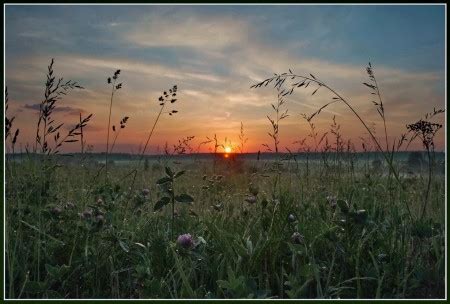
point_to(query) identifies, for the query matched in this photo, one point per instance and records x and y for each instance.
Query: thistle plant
(167, 184)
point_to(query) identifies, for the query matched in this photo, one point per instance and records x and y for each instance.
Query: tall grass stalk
(305, 81)
(114, 87)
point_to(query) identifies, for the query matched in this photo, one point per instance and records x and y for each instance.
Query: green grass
(248, 252)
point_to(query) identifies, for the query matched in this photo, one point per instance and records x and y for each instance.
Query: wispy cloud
(178, 30)
(60, 109)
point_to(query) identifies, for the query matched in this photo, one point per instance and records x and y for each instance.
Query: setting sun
(227, 149)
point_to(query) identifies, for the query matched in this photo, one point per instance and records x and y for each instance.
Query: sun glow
(227, 149)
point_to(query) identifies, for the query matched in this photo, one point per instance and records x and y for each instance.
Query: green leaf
(56, 272)
(141, 245)
(51, 270)
(169, 172)
(35, 287)
(164, 180)
(184, 198)
(124, 246)
(361, 214)
(179, 173)
(223, 284)
(161, 203)
(51, 294)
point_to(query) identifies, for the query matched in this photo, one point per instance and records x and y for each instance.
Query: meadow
(325, 221)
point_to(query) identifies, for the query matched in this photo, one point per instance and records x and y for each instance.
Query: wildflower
(86, 214)
(100, 218)
(145, 192)
(70, 205)
(291, 218)
(251, 199)
(297, 238)
(185, 241)
(332, 201)
(56, 211)
(382, 257)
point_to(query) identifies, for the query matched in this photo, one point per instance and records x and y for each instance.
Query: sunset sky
(214, 54)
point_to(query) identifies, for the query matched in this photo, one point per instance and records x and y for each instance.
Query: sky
(214, 54)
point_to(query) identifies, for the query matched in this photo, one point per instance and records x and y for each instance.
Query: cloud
(59, 109)
(146, 68)
(177, 30)
(88, 128)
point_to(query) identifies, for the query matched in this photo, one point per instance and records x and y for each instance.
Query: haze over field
(214, 54)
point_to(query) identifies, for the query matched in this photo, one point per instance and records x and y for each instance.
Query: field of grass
(258, 229)
(321, 222)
